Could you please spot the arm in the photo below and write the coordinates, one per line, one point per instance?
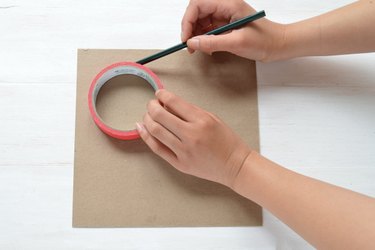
(200, 144)
(346, 30)
(327, 216)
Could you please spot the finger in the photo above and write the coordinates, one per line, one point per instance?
(162, 134)
(194, 11)
(156, 146)
(211, 43)
(191, 51)
(204, 25)
(168, 120)
(177, 105)
(188, 22)
(218, 11)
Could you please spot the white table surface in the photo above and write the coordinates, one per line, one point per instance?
(317, 117)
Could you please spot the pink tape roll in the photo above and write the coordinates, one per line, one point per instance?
(121, 68)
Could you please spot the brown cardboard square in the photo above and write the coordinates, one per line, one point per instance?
(123, 184)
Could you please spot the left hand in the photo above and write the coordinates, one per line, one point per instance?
(192, 140)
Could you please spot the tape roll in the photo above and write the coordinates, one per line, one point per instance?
(121, 68)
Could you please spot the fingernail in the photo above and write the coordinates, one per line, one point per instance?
(139, 126)
(156, 92)
(194, 43)
(182, 36)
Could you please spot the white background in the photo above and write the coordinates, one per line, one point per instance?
(316, 117)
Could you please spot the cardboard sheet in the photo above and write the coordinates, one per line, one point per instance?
(122, 183)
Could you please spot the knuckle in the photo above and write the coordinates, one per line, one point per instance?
(154, 110)
(206, 122)
(192, 141)
(168, 98)
(212, 44)
(206, 45)
(195, 141)
(156, 148)
(154, 129)
(188, 147)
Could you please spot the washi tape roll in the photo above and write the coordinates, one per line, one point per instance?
(121, 68)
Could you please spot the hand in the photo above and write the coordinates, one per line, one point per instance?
(192, 140)
(261, 40)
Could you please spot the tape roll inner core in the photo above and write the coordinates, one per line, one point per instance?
(120, 96)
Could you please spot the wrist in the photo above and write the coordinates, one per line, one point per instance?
(235, 163)
(245, 180)
(276, 47)
(300, 39)
(284, 44)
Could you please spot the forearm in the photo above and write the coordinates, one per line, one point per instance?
(327, 216)
(346, 30)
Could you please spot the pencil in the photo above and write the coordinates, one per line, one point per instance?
(235, 25)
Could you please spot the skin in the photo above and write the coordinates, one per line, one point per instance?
(198, 143)
(342, 31)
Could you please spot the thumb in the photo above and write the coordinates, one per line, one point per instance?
(211, 43)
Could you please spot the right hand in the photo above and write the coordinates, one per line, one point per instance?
(260, 40)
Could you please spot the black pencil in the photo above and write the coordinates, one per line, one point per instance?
(237, 24)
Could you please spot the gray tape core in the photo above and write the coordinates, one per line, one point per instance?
(121, 70)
